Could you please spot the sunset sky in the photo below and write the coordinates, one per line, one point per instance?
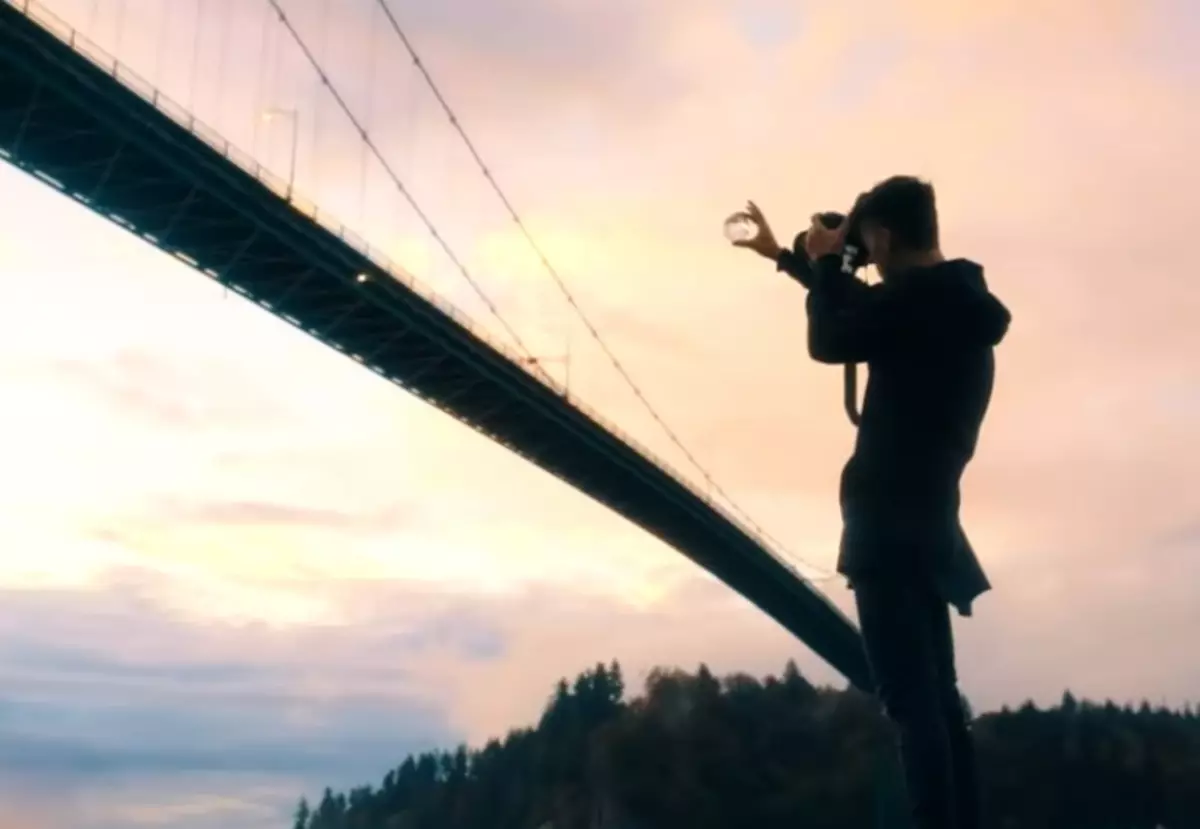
(236, 567)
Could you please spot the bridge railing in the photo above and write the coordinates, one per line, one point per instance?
(68, 34)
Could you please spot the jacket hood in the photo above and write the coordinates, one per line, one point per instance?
(964, 310)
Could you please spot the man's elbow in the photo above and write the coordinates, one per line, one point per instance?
(826, 352)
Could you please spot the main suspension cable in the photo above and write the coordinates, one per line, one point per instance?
(404, 191)
(565, 290)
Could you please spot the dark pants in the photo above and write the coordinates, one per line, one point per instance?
(910, 647)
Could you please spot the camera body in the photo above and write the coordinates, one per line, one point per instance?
(854, 254)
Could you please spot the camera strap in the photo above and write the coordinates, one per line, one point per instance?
(850, 370)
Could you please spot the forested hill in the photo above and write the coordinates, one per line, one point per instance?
(697, 752)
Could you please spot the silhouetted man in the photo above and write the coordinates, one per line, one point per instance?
(926, 333)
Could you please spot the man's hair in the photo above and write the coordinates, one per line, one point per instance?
(905, 206)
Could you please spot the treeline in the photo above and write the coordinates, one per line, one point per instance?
(705, 753)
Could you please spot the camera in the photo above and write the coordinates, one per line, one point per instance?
(854, 253)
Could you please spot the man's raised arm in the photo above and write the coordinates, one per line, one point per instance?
(845, 323)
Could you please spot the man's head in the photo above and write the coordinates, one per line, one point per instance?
(898, 223)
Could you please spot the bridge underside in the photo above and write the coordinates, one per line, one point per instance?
(74, 125)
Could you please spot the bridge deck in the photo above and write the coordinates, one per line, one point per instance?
(70, 115)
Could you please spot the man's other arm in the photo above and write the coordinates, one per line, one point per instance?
(848, 320)
(842, 310)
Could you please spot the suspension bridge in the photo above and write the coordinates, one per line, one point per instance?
(78, 112)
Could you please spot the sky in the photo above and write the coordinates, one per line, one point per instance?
(236, 568)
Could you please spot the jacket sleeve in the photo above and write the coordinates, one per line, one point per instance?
(796, 265)
(848, 320)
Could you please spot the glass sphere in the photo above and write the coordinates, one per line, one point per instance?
(740, 228)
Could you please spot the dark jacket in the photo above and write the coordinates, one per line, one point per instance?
(927, 337)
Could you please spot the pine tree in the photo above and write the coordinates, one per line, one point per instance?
(302, 815)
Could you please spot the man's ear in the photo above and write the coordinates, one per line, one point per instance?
(885, 239)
